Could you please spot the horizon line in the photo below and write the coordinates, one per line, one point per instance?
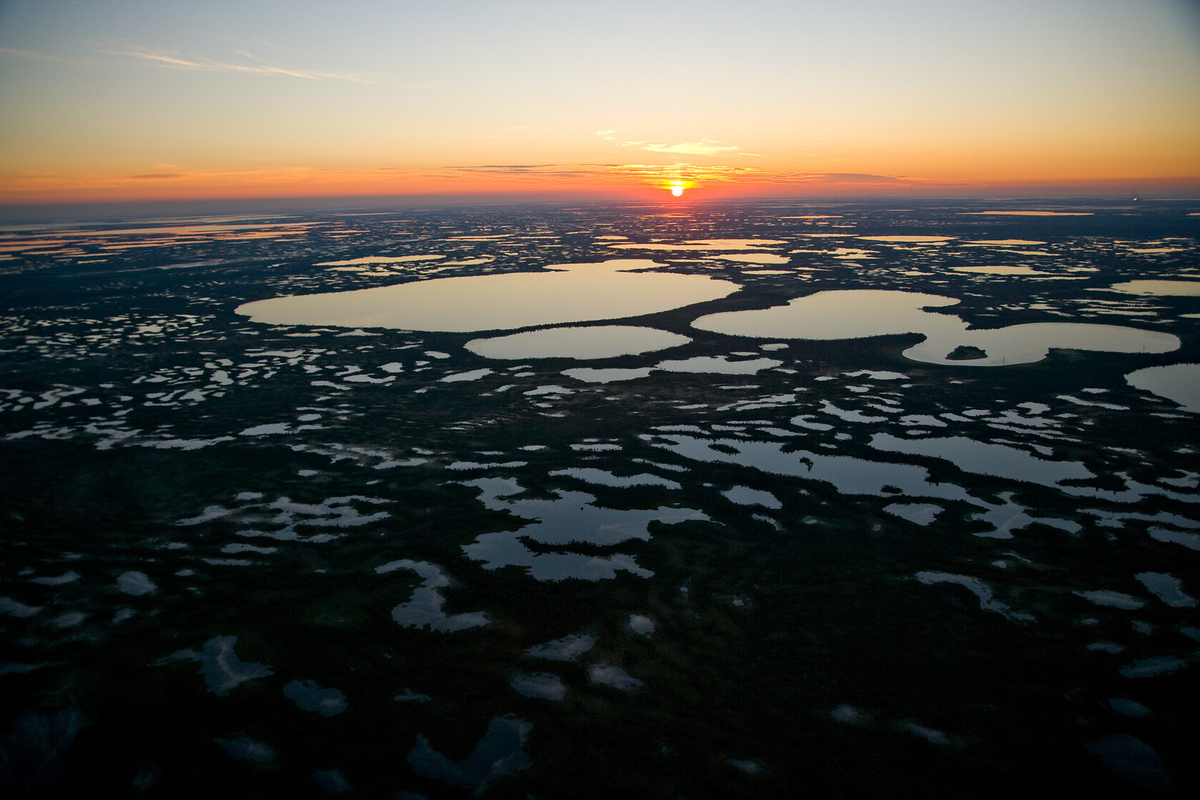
(14, 212)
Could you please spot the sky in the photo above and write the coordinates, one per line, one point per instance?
(126, 100)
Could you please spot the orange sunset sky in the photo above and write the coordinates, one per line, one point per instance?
(125, 100)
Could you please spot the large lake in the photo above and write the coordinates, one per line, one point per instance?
(852, 314)
(562, 293)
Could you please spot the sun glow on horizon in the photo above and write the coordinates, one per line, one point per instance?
(106, 104)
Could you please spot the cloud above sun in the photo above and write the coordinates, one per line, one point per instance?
(700, 147)
(704, 147)
(172, 181)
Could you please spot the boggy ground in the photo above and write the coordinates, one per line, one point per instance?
(836, 570)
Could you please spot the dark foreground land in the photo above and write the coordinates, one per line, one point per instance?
(240, 559)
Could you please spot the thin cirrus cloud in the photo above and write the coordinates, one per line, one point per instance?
(702, 147)
(697, 174)
(162, 171)
(506, 168)
(639, 173)
(692, 173)
(171, 181)
(733, 178)
(861, 180)
(210, 65)
(34, 55)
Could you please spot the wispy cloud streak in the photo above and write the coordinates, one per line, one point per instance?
(701, 147)
(34, 55)
(704, 147)
(700, 175)
(619, 173)
(211, 65)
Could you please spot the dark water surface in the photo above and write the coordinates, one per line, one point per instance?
(888, 520)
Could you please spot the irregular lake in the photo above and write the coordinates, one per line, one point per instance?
(600, 341)
(1001, 270)
(859, 313)
(1003, 243)
(1178, 382)
(848, 474)
(570, 519)
(365, 260)
(908, 239)
(1003, 213)
(1158, 287)
(754, 258)
(984, 458)
(562, 293)
(702, 244)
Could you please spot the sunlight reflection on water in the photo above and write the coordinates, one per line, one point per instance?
(1158, 287)
(571, 518)
(859, 313)
(1178, 382)
(601, 341)
(563, 293)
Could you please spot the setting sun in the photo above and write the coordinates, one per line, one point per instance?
(677, 189)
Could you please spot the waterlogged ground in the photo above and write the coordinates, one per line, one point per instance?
(891, 555)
